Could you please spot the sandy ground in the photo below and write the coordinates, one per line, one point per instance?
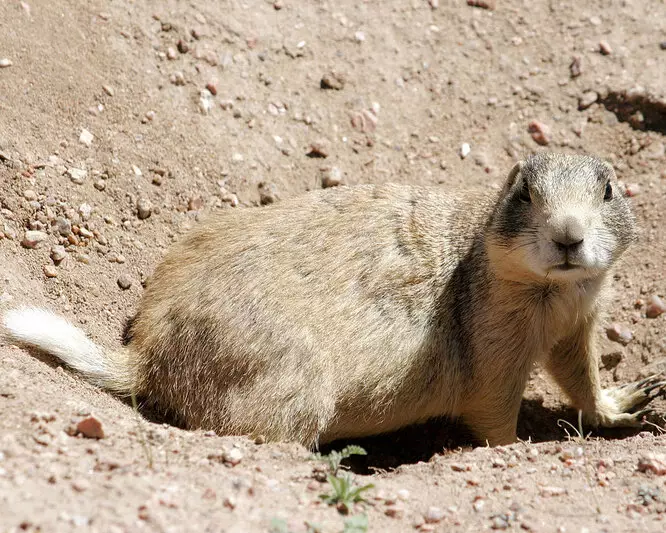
(112, 111)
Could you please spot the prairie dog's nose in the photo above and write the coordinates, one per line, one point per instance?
(568, 235)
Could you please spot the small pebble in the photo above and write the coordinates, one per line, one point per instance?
(77, 175)
(171, 53)
(108, 90)
(332, 80)
(58, 253)
(483, 4)
(359, 36)
(212, 88)
(143, 208)
(433, 515)
(100, 185)
(50, 271)
(662, 45)
(632, 189)
(575, 68)
(465, 150)
(30, 195)
(183, 47)
(232, 456)
(587, 99)
(331, 177)
(267, 193)
(653, 462)
(655, 307)
(605, 48)
(619, 333)
(177, 78)
(540, 132)
(91, 428)
(395, 511)
(124, 282)
(33, 239)
(86, 137)
(318, 149)
(553, 491)
(63, 226)
(4, 62)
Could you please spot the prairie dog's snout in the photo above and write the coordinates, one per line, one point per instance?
(561, 222)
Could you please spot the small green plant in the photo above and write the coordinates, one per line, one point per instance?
(356, 524)
(345, 493)
(334, 458)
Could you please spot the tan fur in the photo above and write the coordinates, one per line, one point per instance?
(355, 311)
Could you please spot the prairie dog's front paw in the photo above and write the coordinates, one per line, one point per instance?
(624, 406)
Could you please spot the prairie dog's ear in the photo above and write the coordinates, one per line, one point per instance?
(609, 168)
(513, 175)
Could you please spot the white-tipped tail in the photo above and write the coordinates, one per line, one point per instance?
(55, 335)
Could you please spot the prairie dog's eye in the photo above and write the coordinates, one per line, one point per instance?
(525, 193)
(608, 193)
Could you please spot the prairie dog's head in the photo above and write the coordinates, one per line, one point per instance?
(560, 218)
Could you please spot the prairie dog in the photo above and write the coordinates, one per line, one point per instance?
(359, 310)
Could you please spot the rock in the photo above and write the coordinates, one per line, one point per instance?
(332, 80)
(619, 333)
(540, 132)
(483, 4)
(587, 99)
(33, 239)
(124, 282)
(395, 511)
(182, 46)
(171, 53)
(575, 67)
(108, 90)
(85, 210)
(100, 185)
(212, 88)
(50, 271)
(77, 175)
(58, 253)
(331, 177)
(605, 48)
(365, 121)
(196, 203)
(177, 78)
(205, 101)
(655, 307)
(433, 515)
(144, 208)
(5, 63)
(434, 4)
(232, 456)
(268, 193)
(653, 462)
(553, 491)
(465, 150)
(91, 428)
(632, 189)
(64, 226)
(318, 149)
(86, 137)
(662, 45)
(30, 195)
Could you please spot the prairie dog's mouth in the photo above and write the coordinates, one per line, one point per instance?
(565, 266)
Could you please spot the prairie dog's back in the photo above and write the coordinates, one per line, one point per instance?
(352, 270)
